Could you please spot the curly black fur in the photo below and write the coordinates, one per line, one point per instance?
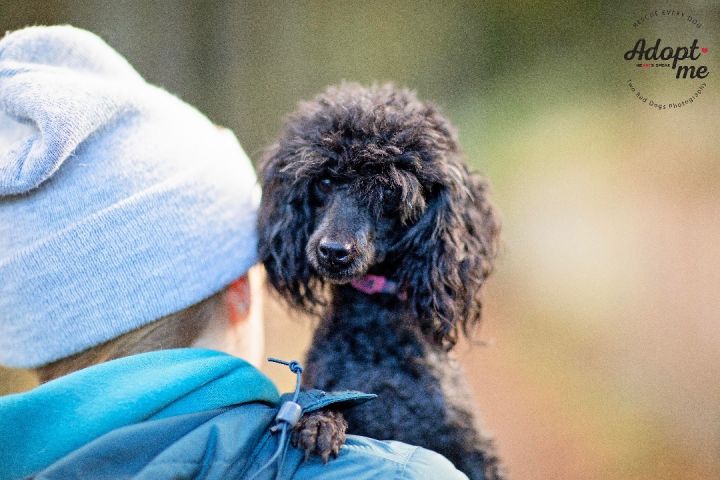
(371, 180)
(321, 432)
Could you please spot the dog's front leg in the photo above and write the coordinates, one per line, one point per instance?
(321, 433)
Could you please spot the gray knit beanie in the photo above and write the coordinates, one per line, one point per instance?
(119, 203)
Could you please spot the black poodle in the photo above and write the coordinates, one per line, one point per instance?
(371, 221)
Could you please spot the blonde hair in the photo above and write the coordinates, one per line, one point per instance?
(176, 330)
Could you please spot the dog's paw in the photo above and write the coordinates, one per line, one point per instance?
(321, 433)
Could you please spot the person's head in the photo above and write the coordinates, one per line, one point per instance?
(127, 219)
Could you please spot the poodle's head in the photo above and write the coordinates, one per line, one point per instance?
(371, 180)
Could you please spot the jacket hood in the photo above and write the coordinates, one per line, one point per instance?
(44, 424)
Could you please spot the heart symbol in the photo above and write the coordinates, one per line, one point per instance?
(646, 65)
(704, 49)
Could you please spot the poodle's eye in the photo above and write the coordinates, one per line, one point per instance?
(390, 200)
(325, 185)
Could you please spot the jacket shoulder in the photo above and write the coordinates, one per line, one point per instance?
(363, 458)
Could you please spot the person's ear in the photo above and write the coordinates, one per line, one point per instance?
(237, 300)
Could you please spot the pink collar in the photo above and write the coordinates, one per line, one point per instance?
(372, 284)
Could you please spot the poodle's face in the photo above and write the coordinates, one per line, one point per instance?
(371, 180)
(359, 219)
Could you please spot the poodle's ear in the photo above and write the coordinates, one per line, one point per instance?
(449, 253)
(284, 226)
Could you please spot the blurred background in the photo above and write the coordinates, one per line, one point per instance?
(602, 327)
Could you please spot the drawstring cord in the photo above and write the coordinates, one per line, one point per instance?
(286, 418)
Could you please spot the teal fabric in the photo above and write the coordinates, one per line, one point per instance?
(235, 443)
(182, 414)
(364, 459)
(52, 420)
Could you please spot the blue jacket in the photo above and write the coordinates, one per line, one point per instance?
(185, 413)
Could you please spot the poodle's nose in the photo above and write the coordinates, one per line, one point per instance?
(335, 252)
